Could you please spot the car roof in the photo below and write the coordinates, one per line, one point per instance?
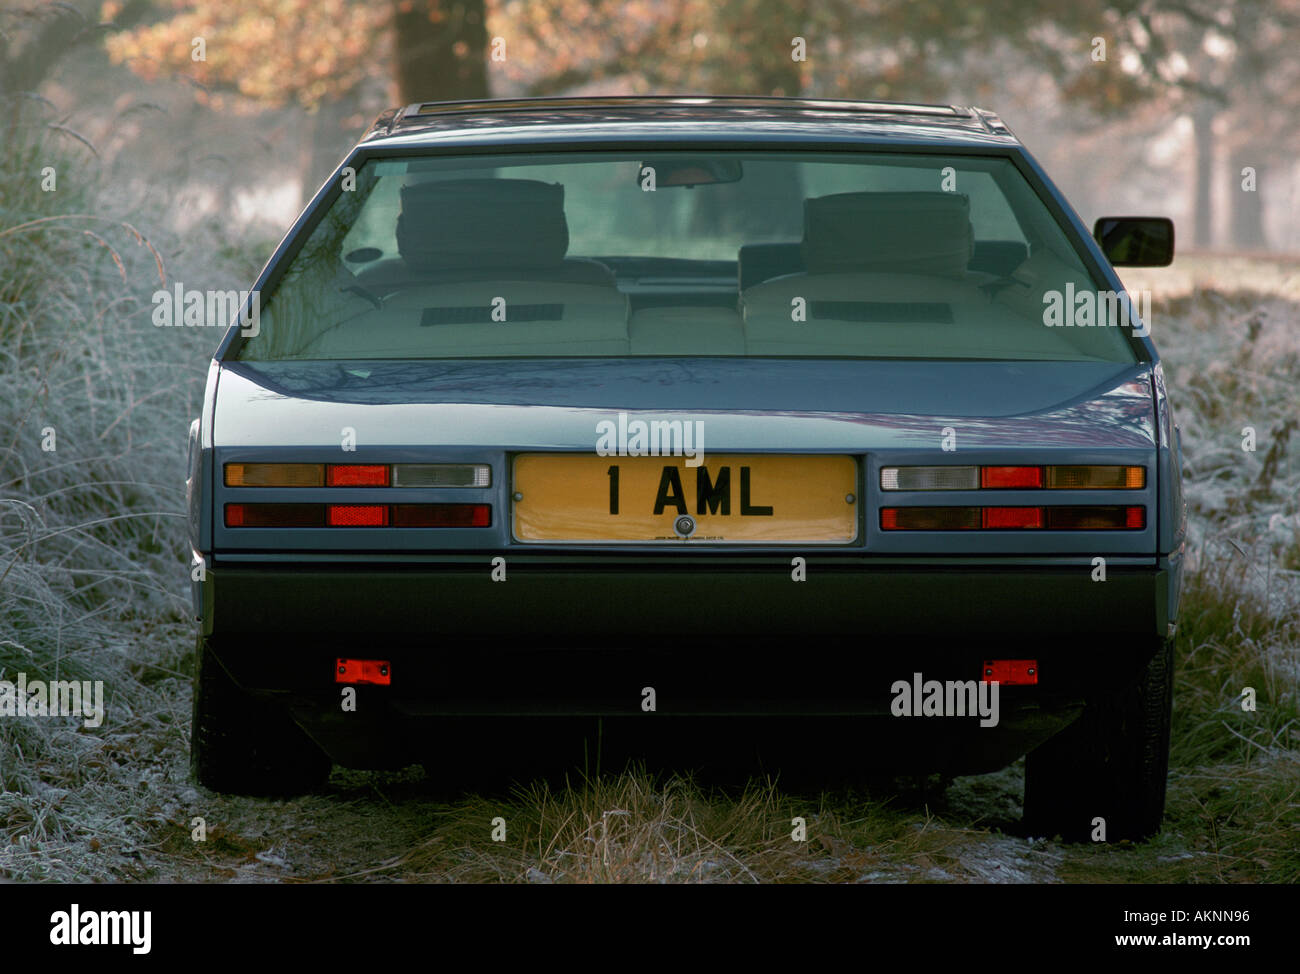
(685, 117)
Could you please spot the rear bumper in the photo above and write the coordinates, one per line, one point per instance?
(735, 636)
(592, 598)
(573, 637)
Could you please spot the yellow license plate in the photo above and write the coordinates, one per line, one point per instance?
(736, 498)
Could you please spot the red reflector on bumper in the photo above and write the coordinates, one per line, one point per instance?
(1011, 672)
(377, 671)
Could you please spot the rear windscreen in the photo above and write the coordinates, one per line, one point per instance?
(840, 254)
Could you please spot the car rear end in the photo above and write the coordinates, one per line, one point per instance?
(547, 466)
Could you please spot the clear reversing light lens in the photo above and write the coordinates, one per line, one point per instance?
(442, 475)
(929, 478)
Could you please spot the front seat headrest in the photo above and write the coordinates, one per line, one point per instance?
(917, 232)
(475, 223)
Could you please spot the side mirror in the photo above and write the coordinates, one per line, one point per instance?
(1136, 241)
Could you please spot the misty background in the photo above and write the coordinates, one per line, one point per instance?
(241, 108)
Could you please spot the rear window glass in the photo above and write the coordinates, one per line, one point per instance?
(687, 254)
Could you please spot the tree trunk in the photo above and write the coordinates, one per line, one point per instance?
(441, 48)
(324, 141)
(1203, 123)
(1247, 207)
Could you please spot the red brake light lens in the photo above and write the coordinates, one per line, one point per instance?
(357, 475)
(1011, 477)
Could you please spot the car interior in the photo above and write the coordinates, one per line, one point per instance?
(483, 268)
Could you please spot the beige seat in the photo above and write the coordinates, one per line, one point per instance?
(471, 246)
(882, 271)
(468, 229)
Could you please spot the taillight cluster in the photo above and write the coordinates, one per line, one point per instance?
(1108, 517)
(357, 515)
(1013, 478)
(358, 475)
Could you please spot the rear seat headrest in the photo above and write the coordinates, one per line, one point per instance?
(919, 232)
(460, 223)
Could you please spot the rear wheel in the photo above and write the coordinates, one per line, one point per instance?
(1110, 764)
(242, 744)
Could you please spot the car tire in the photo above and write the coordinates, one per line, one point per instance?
(245, 745)
(1111, 763)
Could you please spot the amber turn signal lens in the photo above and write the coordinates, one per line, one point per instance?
(1097, 478)
(275, 475)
